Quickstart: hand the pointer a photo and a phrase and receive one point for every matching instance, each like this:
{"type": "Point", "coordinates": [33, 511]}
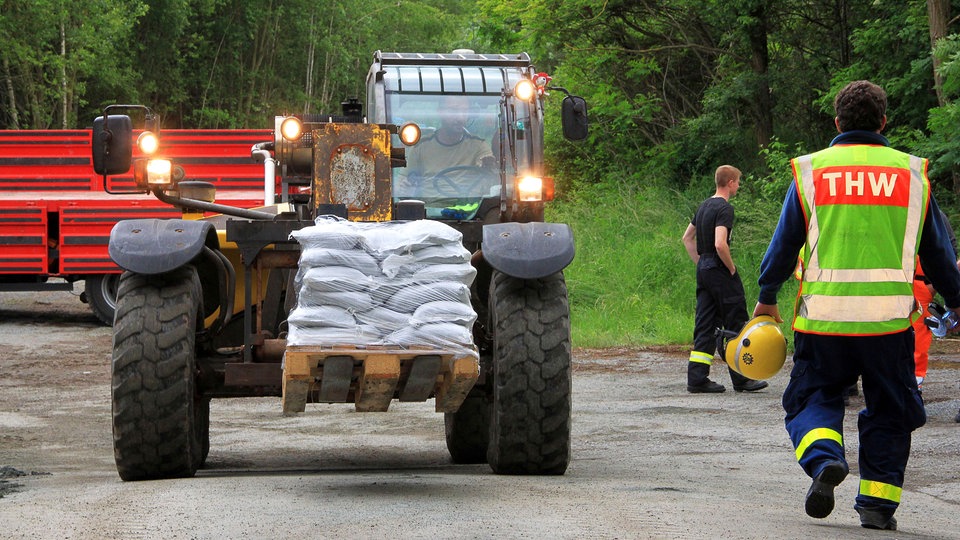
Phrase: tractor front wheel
{"type": "Point", "coordinates": [530, 414]}
{"type": "Point", "coordinates": [157, 413]}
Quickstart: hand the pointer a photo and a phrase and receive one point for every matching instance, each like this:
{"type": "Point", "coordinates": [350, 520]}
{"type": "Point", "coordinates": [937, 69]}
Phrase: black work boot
{"type": "Point", "coordinates": [698, 381]}
{"type": "Point", "coordinates": [876, 518]}
{"type": "Point", "coordinates": [706, 387]}
{"type": "Point", "coordinates": [751, 386]}
{"type": "Point", "coordinates": [744, 384]}
{"type": "Point", "coordinates": [819, 501]}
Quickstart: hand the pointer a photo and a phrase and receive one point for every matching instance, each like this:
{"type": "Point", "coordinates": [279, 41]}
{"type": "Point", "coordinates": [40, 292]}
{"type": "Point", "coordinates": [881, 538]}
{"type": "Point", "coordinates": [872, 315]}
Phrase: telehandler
{"type": "Point", "coordinates": [248, 303]}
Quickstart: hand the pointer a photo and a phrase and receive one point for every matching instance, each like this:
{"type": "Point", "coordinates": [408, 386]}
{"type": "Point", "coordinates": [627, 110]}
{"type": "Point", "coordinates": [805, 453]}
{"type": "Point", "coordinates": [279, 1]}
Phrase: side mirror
{"type": "Point", "coordinates": [574, 117]}
{"type": "Point", "coordinates": [112, 144]}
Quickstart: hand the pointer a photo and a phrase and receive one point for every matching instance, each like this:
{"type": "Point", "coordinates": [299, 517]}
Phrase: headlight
{"type": "Point", "coordinates": [534, 189]}
{"type": "Point", "coordinates": [410, 134]}
{"type": "Point", "coordinates": [153, 173]}
{"type": "Point", "coordinates": [291, 128]}
{"type": "Point", "coordinates": [525, 90]}
{"type": "Point", "coordinates": [148, 143]}
{"type": "Point", "coordinates": [159, 172]}
{"type": "Point", "coordinates": [530, 188]}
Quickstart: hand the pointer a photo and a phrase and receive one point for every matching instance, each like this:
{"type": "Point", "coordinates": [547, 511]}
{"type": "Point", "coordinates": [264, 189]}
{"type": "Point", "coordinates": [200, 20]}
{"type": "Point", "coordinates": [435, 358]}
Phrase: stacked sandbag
{"type": "Point", "coordinates": [404, 283]}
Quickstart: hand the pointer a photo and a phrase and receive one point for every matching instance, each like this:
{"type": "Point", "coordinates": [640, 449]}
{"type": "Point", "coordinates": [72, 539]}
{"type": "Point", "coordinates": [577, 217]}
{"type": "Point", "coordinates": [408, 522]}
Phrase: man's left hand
{"type": "Point", "coordinates": [768, 309]}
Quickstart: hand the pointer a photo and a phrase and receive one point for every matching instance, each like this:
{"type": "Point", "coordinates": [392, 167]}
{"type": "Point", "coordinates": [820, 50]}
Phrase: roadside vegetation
{"type": "Point", "coordinates": [675, 88]}
{"type": "Point", "coordinates": [632, 283]}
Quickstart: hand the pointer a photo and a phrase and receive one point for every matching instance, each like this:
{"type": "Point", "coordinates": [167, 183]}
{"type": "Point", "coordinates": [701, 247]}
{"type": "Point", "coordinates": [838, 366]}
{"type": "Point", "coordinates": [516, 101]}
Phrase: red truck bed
{"type": "Point", "coordinates": [55, 217]}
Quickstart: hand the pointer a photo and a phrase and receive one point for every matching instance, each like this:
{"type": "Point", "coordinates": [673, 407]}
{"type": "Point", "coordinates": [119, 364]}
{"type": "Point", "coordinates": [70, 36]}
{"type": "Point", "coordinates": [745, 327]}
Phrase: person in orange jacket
{"type": "Point", "coordinates": [924, 292]}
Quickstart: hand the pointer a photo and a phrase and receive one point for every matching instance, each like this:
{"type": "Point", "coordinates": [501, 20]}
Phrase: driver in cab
{"type": "Point", "coordinates": [447, 162]}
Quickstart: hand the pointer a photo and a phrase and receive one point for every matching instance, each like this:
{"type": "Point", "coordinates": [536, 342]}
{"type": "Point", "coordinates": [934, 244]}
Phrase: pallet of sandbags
{"type": "Point", "coordinates": [389, 303]}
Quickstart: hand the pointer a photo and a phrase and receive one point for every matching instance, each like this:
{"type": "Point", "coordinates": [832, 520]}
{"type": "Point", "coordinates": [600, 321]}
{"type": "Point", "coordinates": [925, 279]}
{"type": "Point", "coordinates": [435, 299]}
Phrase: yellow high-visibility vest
{"type": "Point", "coordinates": [864, 206]}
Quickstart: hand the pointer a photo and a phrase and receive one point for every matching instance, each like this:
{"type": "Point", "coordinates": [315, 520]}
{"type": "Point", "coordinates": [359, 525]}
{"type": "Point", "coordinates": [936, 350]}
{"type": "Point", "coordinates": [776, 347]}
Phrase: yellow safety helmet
{"type": "Point", "coordinates": [759, 350]}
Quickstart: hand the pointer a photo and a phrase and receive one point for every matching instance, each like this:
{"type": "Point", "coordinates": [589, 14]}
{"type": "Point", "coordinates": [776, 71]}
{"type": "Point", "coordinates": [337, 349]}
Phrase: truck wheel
{"type": "Point", "coordinates": [156, 433]}
{"type": "Point", "coordinates": [530, 417]}
{"type": "Point", "coordinates": [100, 292]}
{"type": "Point", "coordinates": [468, 430]}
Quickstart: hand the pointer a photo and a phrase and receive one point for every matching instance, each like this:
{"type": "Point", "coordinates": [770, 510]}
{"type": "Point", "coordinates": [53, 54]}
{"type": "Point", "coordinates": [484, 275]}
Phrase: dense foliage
{"type": "Point", "coordinates": [203, 63]}
{"type": "Point", "coordinates": [675, 88]}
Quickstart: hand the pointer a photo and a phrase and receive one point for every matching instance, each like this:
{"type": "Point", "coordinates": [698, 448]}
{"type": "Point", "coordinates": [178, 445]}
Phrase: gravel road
{"type": "Point", "coordinates": [649, 460]}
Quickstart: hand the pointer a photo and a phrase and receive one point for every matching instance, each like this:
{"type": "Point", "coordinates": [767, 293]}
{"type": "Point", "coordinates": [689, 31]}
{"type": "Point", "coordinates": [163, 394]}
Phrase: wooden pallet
{"type": "Point", "coordinates": [372, 377]}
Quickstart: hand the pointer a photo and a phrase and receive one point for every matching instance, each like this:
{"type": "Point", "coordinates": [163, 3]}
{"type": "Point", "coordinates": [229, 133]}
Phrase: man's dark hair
{"type": "Point", "coordinates": [860, 105]}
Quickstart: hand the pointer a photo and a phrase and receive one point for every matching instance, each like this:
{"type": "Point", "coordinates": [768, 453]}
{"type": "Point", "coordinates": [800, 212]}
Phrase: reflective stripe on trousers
{"type": "Point", "coordinates": [701, 357]}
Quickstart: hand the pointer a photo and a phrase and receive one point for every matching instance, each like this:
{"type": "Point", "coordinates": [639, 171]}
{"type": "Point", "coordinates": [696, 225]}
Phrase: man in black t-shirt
{"type": "Point", "coordinates": [720, 298]}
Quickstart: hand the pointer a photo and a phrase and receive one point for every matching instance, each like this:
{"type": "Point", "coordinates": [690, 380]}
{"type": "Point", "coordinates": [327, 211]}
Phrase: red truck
{"type": "Point", "coordinates": [56, 213]}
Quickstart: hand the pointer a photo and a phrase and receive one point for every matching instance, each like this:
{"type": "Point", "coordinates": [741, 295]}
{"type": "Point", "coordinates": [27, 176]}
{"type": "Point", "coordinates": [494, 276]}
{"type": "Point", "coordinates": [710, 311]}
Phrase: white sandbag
{"type": "Point", "coordinates": [407, 236]}
{"type": "Point", "coordinates": [352, 258]}
{"type": "Point", "coordinates": [354, 301]}
{"type": "Point", "coordinates": [443, 311]}
{"type": "Point", "coordinates": [384, 318]}
{"type": "Point", "coordinates": [462, 272]}
{"type": "Point", "coordinates": [442, 334]}
{"type": "Point", "coordinates": [329, 234]}
{"type": "Point", "coordinates": [312, 335]}
{"type": "Point", "coordinates": [383, 289]}
{"type": "Point", "coordinates": [333, 316]}
{"type": "Point", "coordinates": [335, 279]}
{"type": "Point", "coordinates": [396, 265]}
{"type": "Point", "coordinates": [409, 298]}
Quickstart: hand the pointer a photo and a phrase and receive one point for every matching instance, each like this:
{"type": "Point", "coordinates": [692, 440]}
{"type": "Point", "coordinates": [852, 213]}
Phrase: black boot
{"type": "Point", "coordinates": [876, 518]}
{"type": "Point", "coordinates": [819, 501]}
{"type": "Point", "coordinates": [743, 384]}
{"type": "Point", "coordinates": [751, 386]}
{"type": "Point", "coordinates": [698, 381]}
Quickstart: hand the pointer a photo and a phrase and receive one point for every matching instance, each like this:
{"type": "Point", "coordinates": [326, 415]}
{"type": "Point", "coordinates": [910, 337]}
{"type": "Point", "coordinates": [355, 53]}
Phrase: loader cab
{"type": "Point", "coordinates": [466, 172]}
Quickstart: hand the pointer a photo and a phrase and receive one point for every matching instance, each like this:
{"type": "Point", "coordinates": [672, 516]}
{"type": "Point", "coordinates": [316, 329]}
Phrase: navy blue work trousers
{"type": "Point", "coordinates": [824, 367]}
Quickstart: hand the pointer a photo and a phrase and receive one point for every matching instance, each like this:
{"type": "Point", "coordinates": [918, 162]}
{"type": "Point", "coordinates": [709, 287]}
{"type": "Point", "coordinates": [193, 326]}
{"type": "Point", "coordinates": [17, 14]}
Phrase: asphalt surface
{"type": "Point", "coordinates": [649, 459]}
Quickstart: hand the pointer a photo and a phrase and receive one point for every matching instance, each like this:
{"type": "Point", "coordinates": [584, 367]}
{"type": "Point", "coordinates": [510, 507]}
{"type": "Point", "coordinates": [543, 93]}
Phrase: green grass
{"type": "Point", "coordinates": [632, 283]}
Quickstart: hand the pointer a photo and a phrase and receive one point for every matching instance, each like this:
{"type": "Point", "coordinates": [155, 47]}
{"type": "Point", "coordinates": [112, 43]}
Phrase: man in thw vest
{"type": "Point", "coordinates": [858, 213]}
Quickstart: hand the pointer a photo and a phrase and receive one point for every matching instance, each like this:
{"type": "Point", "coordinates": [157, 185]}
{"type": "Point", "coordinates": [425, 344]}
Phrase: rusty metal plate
{"type": "Point", "coordinates": [352, 167]}
{"type": "Point", "coordinates": [353, 177]}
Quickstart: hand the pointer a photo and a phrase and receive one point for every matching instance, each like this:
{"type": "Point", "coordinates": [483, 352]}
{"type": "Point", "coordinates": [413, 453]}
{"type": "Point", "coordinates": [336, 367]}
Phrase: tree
{"type": "Point", "coordinates": [938, 13]}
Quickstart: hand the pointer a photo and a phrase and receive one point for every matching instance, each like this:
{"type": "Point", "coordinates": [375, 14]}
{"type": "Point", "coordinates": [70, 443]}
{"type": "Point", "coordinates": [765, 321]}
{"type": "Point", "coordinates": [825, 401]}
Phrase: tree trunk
{"type": "Point", "coordinates": [938, 12]}
{"type": "Point", "coordinates": [311, 51]}
{"type": "Point", "coordinates": [841, 14]}
{"type": "Point", "coordinates": [11, 95]}
{"type": "Point", "coordinates": [762, 106]}
{"type": "Point", "coordinates": [65, 109]}
{"type": "Point", "coordinates": [325, 76]}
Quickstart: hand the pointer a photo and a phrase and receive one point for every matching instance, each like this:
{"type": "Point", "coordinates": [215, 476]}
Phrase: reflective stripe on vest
{"type": "Point", "coordinates": [849, 288]}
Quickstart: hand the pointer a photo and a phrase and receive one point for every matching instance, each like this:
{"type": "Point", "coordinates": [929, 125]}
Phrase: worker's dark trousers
{"type": "Point", "coordinates": [720, 303]}
{"type": "Point", "coordinates": [824, 367]}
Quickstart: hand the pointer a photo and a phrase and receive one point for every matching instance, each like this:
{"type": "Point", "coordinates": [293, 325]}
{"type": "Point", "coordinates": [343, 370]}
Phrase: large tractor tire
{"type": "Point", "coordinates": [100, 293]}
{"type": "Point", "coordinates": [468, 430]}
{"type": "Point", "coordinates": [530, 414]}
{"type": "Point", "coordinates": [157, 413]}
